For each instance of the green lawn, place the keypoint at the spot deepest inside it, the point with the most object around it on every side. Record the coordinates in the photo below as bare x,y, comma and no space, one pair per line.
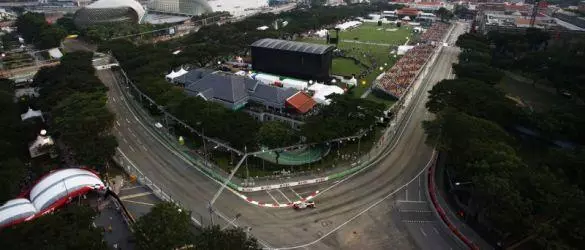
367,32
345,67
371,32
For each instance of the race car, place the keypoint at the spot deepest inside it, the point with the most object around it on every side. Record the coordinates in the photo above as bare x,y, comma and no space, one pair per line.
303,205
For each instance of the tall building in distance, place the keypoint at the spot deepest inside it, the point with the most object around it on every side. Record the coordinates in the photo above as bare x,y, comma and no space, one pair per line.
182,7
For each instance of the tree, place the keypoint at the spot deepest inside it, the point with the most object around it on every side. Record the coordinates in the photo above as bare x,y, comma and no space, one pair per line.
213,238
453,131
35,29
275,134
82,116
11,175
166,226
344,116
68,228
444,14
479,71
474,98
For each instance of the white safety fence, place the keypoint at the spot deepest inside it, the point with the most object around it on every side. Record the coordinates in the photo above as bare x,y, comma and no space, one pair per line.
123,161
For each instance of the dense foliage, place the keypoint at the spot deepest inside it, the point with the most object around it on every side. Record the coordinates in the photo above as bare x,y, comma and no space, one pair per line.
168,226
68,228
518,194
76,100
34,29
12,144
345,116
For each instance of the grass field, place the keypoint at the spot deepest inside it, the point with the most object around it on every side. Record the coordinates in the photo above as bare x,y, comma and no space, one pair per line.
371,32
367,34
343,66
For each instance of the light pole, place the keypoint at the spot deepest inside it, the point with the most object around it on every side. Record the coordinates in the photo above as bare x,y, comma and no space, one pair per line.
463,183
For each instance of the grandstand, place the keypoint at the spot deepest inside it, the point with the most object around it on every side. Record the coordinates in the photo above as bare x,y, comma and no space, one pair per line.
396,81
51,192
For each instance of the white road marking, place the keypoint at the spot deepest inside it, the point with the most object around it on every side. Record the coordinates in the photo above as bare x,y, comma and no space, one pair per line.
422,231
139,202
404,201
418,221
435,229
132,133
128,121
366,209
414,210
274,199
125,141
118,123
130,188
297,194
143,147
406,192
114,99
125,197
131,148
419,188
278,189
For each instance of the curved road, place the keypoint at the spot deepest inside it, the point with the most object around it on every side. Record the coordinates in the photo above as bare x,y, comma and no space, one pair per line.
383,207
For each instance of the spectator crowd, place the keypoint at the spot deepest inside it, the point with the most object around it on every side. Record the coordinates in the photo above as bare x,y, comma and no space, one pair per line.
398,79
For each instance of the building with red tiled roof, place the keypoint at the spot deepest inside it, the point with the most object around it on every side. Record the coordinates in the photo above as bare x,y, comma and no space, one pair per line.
301,102
411,12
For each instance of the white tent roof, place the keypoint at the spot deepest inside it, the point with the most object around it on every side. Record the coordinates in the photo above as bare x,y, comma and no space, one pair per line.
16,209
402,49
30,114
60,184
348,25
55,53
174,74
322,91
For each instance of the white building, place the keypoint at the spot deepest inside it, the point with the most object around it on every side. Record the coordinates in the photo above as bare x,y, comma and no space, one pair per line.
238,8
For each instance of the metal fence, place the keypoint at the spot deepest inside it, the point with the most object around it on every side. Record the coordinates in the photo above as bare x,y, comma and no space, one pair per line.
132,170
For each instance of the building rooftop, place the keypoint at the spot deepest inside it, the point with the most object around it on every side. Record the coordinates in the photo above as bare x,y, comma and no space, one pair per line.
301,102
277,44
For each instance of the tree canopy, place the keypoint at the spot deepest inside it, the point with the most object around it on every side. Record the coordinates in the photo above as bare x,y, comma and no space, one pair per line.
168,226
67,228
232,238
345,116
518,194
35,29
12,144
275,134
475,98
76,99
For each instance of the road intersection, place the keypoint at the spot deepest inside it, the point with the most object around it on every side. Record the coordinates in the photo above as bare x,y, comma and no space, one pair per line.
384,206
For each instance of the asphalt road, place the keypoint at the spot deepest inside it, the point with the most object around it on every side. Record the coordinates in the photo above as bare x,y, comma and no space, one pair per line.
369,210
